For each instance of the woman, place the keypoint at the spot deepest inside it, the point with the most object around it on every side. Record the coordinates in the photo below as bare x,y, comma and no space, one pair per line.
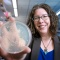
42,22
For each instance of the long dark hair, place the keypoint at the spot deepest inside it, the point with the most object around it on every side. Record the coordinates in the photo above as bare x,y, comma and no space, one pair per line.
52,15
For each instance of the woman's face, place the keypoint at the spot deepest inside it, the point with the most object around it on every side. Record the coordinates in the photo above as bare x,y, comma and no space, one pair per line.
41,21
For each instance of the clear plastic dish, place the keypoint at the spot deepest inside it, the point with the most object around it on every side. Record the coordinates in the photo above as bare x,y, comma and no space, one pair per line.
15,39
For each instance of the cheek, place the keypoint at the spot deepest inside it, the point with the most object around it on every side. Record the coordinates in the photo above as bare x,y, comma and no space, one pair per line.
48,22
35,23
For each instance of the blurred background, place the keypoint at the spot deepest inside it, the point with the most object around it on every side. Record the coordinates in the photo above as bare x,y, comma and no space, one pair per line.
20,9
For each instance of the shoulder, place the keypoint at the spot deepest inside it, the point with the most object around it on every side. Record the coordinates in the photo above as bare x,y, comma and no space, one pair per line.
57,41
57,38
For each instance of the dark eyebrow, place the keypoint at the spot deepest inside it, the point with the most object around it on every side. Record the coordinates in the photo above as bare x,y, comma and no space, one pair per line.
44,14
41,15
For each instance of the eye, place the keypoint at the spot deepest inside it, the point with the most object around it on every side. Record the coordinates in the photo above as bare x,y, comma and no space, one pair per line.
36,18
45,16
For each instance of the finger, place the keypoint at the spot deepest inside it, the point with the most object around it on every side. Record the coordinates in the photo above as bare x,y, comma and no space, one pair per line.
12,21
9,16
13,27
4,54
4,30
0,41
1,23
26,50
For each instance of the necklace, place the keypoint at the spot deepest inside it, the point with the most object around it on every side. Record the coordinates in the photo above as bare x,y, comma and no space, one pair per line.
45,47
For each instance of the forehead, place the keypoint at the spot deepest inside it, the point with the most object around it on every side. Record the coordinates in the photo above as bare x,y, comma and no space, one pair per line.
40,11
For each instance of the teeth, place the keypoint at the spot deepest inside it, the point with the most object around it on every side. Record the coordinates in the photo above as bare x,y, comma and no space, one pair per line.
41,26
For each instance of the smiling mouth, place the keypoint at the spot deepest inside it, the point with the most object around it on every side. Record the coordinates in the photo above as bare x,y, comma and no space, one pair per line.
41,26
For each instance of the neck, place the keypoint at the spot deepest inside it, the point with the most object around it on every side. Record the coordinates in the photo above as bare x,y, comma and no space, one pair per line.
46,37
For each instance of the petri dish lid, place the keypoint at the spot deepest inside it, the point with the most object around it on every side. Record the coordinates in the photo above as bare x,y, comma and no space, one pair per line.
23,32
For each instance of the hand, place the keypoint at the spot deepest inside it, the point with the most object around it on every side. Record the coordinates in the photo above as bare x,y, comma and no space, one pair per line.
7,35
17,56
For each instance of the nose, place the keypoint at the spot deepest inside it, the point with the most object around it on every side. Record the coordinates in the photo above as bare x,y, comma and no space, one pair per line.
41,20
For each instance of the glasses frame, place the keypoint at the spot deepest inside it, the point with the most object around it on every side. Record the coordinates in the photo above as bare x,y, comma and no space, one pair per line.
43,17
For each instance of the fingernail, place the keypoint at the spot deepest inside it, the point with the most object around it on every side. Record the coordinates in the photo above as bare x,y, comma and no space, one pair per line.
1,22
6,14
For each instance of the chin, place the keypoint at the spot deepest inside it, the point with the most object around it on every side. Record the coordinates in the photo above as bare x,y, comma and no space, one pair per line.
43,31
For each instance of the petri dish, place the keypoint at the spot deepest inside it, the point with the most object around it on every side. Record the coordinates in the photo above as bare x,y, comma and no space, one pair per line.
15,37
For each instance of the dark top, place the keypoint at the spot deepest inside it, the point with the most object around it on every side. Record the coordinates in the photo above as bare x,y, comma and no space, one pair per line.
35,49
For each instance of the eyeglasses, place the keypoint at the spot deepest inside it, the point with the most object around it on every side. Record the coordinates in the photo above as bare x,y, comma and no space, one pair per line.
43,17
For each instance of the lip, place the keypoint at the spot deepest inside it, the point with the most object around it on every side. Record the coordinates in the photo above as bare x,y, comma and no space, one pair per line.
42,26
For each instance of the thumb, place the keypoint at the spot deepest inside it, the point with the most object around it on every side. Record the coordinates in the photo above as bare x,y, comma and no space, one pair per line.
27,50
